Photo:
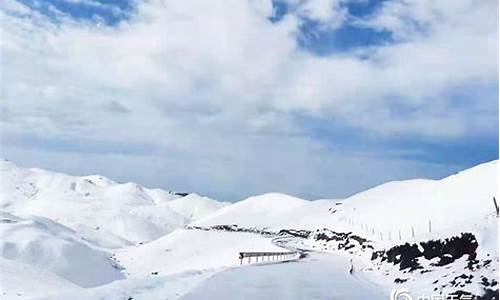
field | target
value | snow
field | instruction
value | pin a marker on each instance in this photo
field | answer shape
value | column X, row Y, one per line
column 264, row 211
column 460, row 202
column 22, row 281
column 89, row 237
column 320, row 276
column 386, row 214
column 194, row 206
column 59, row 233
column 108, row 213
column 157, row 288
column 187, row 250
column 47, row 245
column 455, row 203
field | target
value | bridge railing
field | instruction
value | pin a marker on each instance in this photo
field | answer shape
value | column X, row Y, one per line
column 267, row 256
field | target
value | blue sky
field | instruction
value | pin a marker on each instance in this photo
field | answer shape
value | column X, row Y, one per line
column 316, row 98
column 108, row 12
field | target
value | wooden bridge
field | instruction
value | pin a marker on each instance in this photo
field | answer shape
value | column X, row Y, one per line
column 266, row 256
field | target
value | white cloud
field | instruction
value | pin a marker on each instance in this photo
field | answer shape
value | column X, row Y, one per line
column 216, row 79
column 329, row 13
column 229, row 56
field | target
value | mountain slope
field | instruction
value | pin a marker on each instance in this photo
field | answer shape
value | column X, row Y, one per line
column 264, row 211
column 142, row 225
column 459, row 201
column 194, row 206
column 22, row 281
column 108, row 213
column 189, row 250
column 52, row 247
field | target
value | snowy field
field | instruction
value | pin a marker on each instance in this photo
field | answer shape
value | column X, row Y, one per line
column 70, row 237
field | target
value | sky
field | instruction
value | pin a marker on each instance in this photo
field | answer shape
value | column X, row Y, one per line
column 314, row 98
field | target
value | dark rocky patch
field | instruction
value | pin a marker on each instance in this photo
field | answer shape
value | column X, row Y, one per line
column 346, row 240
column 489, row 294
column 473, row 264
column 232, row 228
column 451, row 249
column 405, row 255
column 296, row 233
column 378, row 254
column 447, row 251
column 488, row 283
column 181, row 194
column 461, row 280
column 445, row 260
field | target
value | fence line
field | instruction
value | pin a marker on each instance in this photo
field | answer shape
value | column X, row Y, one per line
column 266, row 256
column 411, row 232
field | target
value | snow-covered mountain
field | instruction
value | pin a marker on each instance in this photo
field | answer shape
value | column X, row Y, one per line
column 462, row 199
column 262, row 211
column 194, row 206
column 92, row 238
column 395, row 216
column 108, row 213
column 59, row 232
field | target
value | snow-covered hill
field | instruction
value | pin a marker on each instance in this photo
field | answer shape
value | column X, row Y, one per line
column 394, row 215
column 460, row 201
column 188, row 250
column 194, row 206
column 264, row 211
column 49, row 246
column 125, row 240
column 108, row 213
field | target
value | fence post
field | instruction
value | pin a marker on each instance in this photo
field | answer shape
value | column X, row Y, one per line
column 381, row 237
column 430, row 227
column 389, row 235
column 399, row 231
column 412, row 232
column 496, row 205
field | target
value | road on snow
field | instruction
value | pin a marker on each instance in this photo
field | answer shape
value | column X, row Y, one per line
column 318, row 276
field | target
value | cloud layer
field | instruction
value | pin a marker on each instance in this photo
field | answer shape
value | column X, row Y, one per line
column 212, row 95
